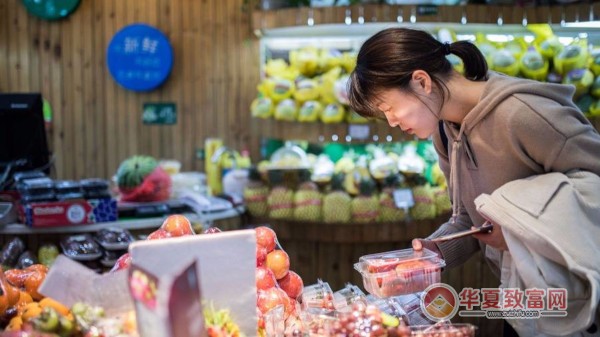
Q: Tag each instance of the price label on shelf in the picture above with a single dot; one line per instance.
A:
(359, 131)
(403, 198)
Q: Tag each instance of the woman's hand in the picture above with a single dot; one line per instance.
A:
(494, 238)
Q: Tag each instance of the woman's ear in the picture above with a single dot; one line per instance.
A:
(421, 82)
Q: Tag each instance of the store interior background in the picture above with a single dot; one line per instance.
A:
(97, 124)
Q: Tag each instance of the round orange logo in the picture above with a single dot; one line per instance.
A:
(439, 302)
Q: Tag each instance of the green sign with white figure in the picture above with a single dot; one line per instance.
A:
(159, 113)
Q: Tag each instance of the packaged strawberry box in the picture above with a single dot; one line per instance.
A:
(399, 272)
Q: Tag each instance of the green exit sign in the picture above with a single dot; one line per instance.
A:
(159, 113)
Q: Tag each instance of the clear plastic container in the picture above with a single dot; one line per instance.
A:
(343, 298)
(399, 272)
(318, 295)
(81, 248)
(110, 257)
(274, 321)
(38, 189)
(444, 329)
(170, 166)
(68, 189)
(114, 238)
(411, 304)
(95, 188)
(290, 156)
(19, 177)
(317, 322)
(389, 306)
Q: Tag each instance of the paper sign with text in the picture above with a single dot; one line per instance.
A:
(226, 264)
(169, 305)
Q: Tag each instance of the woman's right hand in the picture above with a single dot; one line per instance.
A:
(419, 244)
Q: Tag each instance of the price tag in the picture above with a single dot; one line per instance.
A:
(359, 131)
(403, 198)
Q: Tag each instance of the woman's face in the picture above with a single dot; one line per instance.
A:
(407, 111)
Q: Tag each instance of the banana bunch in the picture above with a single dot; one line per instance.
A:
(306, 60)
(279, 68)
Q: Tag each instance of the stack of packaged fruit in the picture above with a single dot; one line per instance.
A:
(394, 280)
(356, 188)
(309, 85)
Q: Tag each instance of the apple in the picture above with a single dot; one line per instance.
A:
(289, 305)
(292, 284)
(290, 308)
(261, 255)
(177, 225)
(266, 237)
(265, 278)
(279, 262)
(269, 299)
(158, 234)
(122, 263)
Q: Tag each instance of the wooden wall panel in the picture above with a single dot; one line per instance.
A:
(96, 122)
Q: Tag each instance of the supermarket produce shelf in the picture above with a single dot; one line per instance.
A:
(131, 224)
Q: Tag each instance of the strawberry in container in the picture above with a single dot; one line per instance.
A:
(399, 272)
(317, 296)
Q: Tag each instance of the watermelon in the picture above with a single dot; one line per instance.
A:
(133, 170)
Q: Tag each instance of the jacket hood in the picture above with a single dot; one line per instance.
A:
(500, 86)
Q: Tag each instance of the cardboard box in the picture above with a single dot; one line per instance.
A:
(68, 212)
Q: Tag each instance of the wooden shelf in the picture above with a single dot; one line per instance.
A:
(130, 224)
(350, 233)
(320, 132)
(474, 13)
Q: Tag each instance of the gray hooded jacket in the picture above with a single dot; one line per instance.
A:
(519, 128)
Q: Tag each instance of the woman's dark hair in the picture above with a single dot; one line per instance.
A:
(388, 59)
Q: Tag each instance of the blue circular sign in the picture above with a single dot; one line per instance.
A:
(139, 57)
